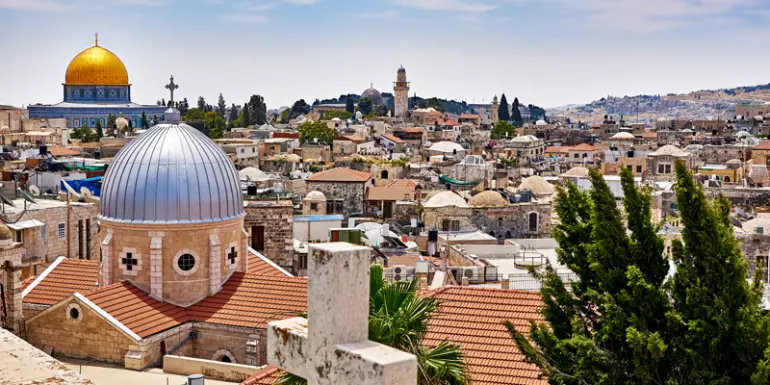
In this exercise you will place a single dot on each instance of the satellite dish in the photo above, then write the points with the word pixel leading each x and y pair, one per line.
pixel 34 190
pixel 85 192
pixel 278 187
pixel 27 197
pixel 70 189
pixel 5 200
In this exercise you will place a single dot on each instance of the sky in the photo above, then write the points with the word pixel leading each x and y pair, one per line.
pixel 545 52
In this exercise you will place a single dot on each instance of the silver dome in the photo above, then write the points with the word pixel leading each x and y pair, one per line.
pixel 171 174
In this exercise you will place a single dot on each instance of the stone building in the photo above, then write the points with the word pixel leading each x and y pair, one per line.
pixel 314 204
pixel 494 215
pixel 401 95
pixel 529 149
pixel 10 278
pixel 344 189
pixel 662 162
pixel 269 225
pixel 760 153
pixel 177 275
pixel 447 211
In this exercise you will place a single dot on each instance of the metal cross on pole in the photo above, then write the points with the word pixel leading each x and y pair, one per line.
pixel 171 86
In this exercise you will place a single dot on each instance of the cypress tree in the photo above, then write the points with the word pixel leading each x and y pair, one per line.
pixel 516 113
pixel 145 123
pixel 245 115
pixel 221 106
pixel 99 131
pixel 503 114
pixel 350 106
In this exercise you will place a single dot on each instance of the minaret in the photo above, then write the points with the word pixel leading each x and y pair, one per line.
pixel 495 110
pixel 401 92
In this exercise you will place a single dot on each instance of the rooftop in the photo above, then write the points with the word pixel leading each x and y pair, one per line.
pixel 340 174
pixel 62 278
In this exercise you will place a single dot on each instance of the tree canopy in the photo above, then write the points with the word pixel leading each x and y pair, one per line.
pixel 503 129
pixel 365 106
pixel 503 114
pixel 310 131
pixel 516 113
pixel 622 321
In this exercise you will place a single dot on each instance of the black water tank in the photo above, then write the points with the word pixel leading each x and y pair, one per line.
pixel 97 155
pixel 43 149
pixel 251 190
pixel 433 235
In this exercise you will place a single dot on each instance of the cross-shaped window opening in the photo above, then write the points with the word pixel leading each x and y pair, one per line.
pixel 129 261
pixel 232 255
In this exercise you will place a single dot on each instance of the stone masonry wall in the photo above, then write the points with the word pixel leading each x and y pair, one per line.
pixel 277 219
pixel 89 336
pixel 513 221
pixel 54 246
pixel 351 193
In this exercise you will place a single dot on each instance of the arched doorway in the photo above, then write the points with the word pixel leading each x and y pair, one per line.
pixel 384 174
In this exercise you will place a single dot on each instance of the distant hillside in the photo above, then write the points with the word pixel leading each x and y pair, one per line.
pixel 703 104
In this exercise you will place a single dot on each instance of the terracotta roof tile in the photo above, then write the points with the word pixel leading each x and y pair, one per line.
pixel 763 146
pixel 259 266
pixel 62 151
pixel 473 317
pixel 557 149
pixel 250 300
pixel 386 193
pixel 69 276
pixel 392 138
pixel 340 174
pixel 136 310
pixel 584 147
pixel 265 376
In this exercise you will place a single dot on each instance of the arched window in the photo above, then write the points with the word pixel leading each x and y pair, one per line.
pixel 727 179
pixel 533 222
pixel 384 174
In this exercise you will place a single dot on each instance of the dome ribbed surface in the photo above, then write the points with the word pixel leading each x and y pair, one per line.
pixel 172 174
pixel 96 66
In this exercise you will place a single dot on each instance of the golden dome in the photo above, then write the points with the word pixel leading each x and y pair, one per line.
pixel 97 66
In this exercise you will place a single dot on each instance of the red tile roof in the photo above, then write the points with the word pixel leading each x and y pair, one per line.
pixel 473 317
pixel 61 279
pixel 62 151
pixel 340 174
pixel 392 138
pixel 265 376
pixel 286 135
pixel 249 300
pixel 649 135
pixel 762 146
pixel 584 147
pixel 414 130
pixel 557 149
pixel 136 310
pixel 260 266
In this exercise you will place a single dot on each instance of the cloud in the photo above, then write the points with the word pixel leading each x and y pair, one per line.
pixel 301 2
pixel 654 15
pixel 246 17
pixel 385 15
pixel 448 5
pixel 34 5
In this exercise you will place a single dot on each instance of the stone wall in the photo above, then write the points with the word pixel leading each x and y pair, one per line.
pixel 210 369
pixel 242 345
pixel 741 196
pixel 514 221
pixel 88 336
pixel 50 246
pixel 351 193
pixel 434 216
pixel 277 219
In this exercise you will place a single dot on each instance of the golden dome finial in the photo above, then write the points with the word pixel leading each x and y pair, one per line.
pixel 96 39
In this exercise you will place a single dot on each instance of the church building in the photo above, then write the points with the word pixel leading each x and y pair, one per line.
pixel 95 87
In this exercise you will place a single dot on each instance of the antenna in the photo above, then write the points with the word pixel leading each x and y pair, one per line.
pixel 27 197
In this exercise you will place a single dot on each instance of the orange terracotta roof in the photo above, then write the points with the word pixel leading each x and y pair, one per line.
pixel 285 135
pixel 340 174
pixel 649 135
pixel 135 309
pixel 584 147
pixel 557 149
pixel 265 376
pixel 386 193
pixel 473 317
pixel 260 266
pixel 61 279
pixel 451 122
pixel 469 116
pixel 762 146
pixel 403 183
pixel 392 138
pixel 249 300
pixel 62 151
pixel 414 130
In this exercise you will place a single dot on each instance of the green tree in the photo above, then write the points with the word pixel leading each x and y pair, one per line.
pixel 344 115
pixel 365 106
pixel 350 105
pixel 221 105
pixel 723 335
pixel 245 116
pixel 145 123
pixel 503 129
pixel 184 106
pixel 194 114
pixel 398 317
pixel 311 131
pixel 258 109
pixel 233 118
pixel 99 131
pixel 215 125
pixel 620 322
pixel 201 103
pixel 300 107
pixel 516 113
pixel 503 114
pixel 85 134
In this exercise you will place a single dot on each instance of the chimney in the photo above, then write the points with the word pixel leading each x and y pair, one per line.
pixel 465 281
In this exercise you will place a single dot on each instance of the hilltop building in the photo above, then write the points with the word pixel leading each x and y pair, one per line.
pixel 95 87
pixel 401 92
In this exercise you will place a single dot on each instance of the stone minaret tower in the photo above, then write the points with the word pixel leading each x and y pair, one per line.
pixel 401 92
pixel 495 110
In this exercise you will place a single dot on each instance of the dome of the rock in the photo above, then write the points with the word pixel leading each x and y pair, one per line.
pixel 96 66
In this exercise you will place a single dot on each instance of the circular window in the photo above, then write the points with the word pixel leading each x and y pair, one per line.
pixel 74 313
pixel 186 262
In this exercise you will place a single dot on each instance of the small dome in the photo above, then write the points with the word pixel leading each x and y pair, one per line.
pixel 488 199
pixel 402 69
pixel 670 150
pixel 577 172
pixel 172 174
pixel 525 139
pixel 252 174
pixel 538 185
pixel 121 122
pixel 444 199
pixel 623 136
pixel 5 234
pixel 315 196
pixel 541 122
pixel 373 95
pixel 447 147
